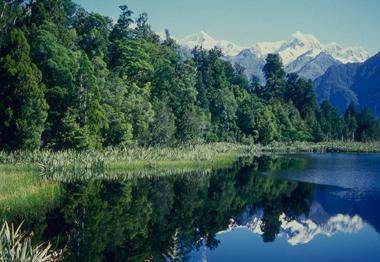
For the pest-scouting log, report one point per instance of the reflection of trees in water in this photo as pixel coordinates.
(171, 216)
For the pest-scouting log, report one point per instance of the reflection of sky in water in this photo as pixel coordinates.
(343, 223)
(356, 171)
(340, 238)
(302, 230)
(242, 245)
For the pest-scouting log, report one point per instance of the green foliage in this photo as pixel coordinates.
(350, 118)
(163, 127)
(85, 83)
(331, 123)
(23, 107)
(275, 77)
(15, 246)
(368, 126)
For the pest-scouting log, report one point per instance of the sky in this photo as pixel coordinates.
(245, 22)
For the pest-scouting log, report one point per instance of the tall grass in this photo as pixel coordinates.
(69, 165)
(72, 165)
(24, 193)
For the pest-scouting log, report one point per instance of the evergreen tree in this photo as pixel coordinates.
(275, 77)
(350, 117)
(85, 102)
(85, 83)
(368, 126)
(163, 126)
(331, 123)
(23, 108)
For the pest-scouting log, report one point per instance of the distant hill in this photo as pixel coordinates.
(358, 82)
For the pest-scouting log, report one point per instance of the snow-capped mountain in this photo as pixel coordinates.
(297, 52)
(207, 42)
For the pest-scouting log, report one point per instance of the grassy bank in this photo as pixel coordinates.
(322, 147)
(25, 192)
(71, 165)
(29, 181)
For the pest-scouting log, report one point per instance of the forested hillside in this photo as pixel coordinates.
(358, 82)
(74, 79)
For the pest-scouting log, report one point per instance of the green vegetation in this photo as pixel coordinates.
(29, 180)
(83, 98)
(323, 147)
(91, 164)
(71, 79)
(24, 191)
(16, 246)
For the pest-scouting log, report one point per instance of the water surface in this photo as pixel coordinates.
(309, 207)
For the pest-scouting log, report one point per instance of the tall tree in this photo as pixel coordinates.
(23, 107)
(331, 123)
(350, 117)
(368, 126)
(275, 77)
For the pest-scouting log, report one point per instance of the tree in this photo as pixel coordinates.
(275, 77)
(23, 107)
(265, 124)
(121, 29)
(163, 126)
(119, 130)
(368, 126)
(93, 34)
(350, 118)
(331, 123)
(85, 102)
(302, 95)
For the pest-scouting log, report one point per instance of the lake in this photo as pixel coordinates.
(302, 207)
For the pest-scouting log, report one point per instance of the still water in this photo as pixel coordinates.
(308, 207)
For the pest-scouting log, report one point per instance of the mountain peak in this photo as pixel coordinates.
(203, 33)
(204, 40)
(200, 37)
(299, 44)
(306, 40)
(304, 37)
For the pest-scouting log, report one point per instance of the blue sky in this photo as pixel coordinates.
(347, 22)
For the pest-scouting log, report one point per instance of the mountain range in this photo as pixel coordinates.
(340, 74)
(302, 53)
(357, 82)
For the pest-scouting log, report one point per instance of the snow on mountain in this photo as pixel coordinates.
(289, 50)
(207, 42)
(264, 48)
(298, 45)
(297, 52)
(346, 54)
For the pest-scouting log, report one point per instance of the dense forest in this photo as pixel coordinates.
(74, 79)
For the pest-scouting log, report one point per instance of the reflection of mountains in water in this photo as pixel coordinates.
(351, 202)
(333, 210)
